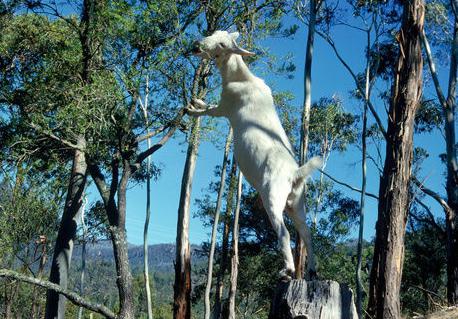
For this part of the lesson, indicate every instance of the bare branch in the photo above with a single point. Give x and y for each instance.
(431, 193)
(432, 68)
(55, 137)
(151, 134)
(430, 220)
(355, 78)
(73, 297)
(346, 185)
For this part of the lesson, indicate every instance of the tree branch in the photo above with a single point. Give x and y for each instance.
(431, 193)
(432, 69)
(355, 78)
(55, 137)
(73, 297)
(143, 155)
(430, 220)
(151, 134)
(346, 185)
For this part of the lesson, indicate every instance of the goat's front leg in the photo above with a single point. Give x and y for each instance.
(198, 108)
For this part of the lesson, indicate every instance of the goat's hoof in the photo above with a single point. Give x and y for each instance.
(286, 274)
(199, 104)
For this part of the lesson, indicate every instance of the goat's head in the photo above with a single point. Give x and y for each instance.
(219, 46)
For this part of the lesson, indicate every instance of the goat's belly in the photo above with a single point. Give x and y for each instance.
(251, 158)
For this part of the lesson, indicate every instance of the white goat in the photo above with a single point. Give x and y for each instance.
(262, 149)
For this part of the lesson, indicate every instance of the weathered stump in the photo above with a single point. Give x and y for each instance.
(301, 299)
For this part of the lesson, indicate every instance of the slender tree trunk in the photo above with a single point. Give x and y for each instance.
(452, 170)
(217, 311)
(83, 256)
(117, 220)
(448, 106)
(215, 224)
(394, 198)
(148, 208)
(299, 256)
(182, 286)
(359, 281)
(83, 273)
(235, 251)
(116, 213)
(63, 248)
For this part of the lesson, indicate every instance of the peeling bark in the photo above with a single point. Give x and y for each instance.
(394, 200)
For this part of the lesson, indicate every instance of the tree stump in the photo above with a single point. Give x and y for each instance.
(301, 299)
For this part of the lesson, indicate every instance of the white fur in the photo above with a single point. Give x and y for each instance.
(261, 147)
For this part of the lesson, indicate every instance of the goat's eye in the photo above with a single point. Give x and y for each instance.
(222, 45)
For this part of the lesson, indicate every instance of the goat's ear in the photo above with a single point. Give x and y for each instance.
(234, 35)
(238, 50)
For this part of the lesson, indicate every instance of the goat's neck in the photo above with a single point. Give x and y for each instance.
(234, 69)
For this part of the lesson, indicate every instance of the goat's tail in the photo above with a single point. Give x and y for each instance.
(307, 169)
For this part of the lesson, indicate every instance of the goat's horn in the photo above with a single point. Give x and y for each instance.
(238, 50)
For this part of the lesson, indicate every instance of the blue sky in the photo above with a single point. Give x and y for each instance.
(329, 78)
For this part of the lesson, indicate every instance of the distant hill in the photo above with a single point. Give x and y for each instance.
(100, 282)
(160, 256)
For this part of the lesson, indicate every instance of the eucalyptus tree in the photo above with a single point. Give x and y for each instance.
(394, 199)
(438, 20)
(310, 19)
(92, 97)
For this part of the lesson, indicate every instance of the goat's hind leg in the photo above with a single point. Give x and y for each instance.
(274, 203)
(297, 214)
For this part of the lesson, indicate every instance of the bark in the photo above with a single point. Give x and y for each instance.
(448, 106)
(116, 213)
(215, 224)
(182, 285)
(83, 273)
(299, 256)
(386, 272)
(359, 282)
(117, 220)
(83, 257)
(452, 174)
(217, 310)
(63, 247)
(73, 297)
(235, 251)
(312, 299)
(148, 208)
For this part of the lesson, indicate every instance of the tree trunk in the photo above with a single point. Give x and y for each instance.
(299, 256)
(235, 251)
(182, 286)
(452, 171)
(63, 247)
(215, 224)
(312, 299)
(386, 272)
(83, 256)
(448, 106)
(117, 221)
(359, 282)
(217, 311)
(148, 207)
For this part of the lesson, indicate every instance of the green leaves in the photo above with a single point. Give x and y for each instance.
(331, 128)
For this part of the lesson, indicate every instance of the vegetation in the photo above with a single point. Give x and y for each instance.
(90, 90)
